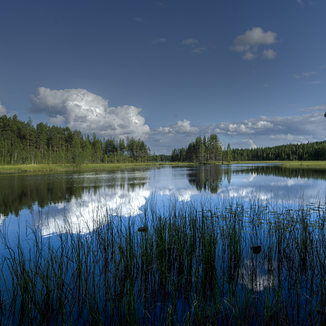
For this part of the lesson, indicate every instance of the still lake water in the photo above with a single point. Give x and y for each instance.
(43, 206)
(49, 203)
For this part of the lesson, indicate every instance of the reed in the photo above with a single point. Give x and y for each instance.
(231, 263)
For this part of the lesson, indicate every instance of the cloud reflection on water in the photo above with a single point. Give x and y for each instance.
(84, 214)
(256, 279)
(125, 193)
(184, 185)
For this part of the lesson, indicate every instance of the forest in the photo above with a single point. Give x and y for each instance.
(22, 143)
(209, 149)
(315, 151)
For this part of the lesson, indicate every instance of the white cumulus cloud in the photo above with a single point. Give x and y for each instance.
(3, 110)
(89, 113)
(243, 127)
(251, 39)
(261, 132)
(58, 120)
(250, 142)
(181, 127)
(272, 131)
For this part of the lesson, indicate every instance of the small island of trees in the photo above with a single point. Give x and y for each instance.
(201, 150)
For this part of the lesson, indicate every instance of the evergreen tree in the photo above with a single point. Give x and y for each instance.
(229, 153)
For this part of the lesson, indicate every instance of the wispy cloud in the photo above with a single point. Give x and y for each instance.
(305, 74)
(269, 54)
(314, 108)
(138, 19)
(302, 3)
(198, 50)
(189, 41)
(161, 40)
(249, 56)
(251, 40)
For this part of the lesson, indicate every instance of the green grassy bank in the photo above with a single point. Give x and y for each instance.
(74, 167)
(305, 164)
(300, 164)
(110, 166)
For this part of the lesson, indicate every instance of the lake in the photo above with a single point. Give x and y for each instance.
(246, 229)
(49, 202)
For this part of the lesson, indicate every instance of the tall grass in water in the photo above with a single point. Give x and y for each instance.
(190, 265)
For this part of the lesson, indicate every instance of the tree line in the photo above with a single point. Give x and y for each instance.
(210, 149)
(315, 151)
(22, 143)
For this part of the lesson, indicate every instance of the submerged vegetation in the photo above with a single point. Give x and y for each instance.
(195, 263)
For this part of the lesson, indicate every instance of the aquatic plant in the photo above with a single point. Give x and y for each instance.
(226, 263)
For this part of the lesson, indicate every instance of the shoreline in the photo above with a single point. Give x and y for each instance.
(288, 164)
(4, 169)
(29, 168)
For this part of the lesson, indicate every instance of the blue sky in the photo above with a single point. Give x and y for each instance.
(167, 71)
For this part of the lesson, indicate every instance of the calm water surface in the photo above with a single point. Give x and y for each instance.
(51, 202)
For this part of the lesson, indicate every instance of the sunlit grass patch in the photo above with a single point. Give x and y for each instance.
(28, 168)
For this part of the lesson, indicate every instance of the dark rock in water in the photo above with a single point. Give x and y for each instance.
(143, 229)
(256, 249)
